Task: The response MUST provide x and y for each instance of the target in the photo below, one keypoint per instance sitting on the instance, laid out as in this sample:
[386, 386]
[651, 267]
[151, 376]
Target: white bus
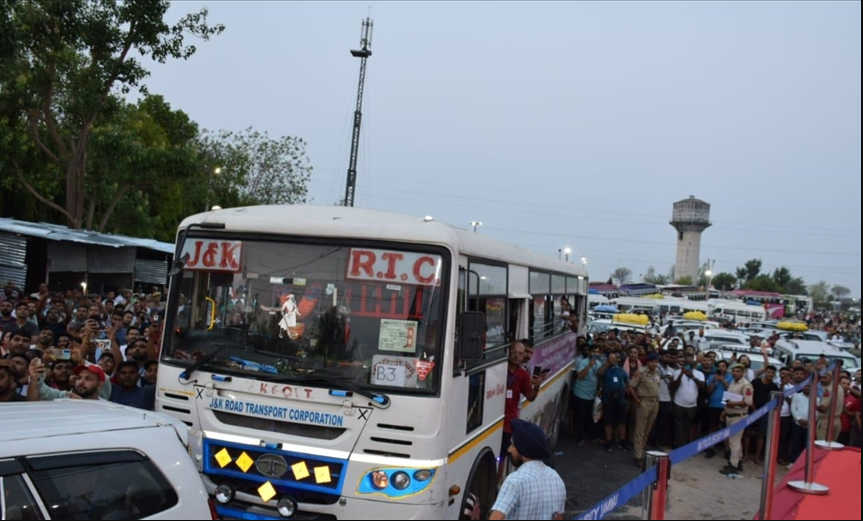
[736, 311]
[341, 363]
[637, 304]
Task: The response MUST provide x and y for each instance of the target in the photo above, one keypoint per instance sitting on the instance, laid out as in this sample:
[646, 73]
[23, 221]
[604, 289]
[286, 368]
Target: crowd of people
[80, 346]
[635, 390]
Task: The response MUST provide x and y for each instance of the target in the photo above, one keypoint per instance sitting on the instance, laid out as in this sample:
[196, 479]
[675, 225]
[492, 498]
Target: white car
[790, 350]
[726, 336]
[82, 459]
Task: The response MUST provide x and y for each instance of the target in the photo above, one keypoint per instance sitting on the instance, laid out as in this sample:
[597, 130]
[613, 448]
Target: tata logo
[272, 466]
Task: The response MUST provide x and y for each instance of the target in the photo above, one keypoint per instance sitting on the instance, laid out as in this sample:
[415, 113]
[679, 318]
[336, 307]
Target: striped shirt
[534, 491]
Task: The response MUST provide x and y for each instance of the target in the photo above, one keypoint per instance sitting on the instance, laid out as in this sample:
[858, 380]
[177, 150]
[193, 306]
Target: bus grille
[293, 429]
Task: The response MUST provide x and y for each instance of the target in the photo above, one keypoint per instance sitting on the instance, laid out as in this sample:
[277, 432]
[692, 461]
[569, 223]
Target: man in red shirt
[518, 383]
[849, 414]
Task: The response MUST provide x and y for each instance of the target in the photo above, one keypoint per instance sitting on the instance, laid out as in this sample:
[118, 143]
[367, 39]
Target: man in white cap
[534, 491]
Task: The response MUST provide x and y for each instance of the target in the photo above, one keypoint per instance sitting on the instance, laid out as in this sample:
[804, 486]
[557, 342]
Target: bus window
[487, 294]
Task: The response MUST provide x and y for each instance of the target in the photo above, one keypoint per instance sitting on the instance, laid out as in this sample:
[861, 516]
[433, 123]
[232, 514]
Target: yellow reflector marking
[301, 471]
[267, 491]
[245, 462]
[223, 458]
[322, 475]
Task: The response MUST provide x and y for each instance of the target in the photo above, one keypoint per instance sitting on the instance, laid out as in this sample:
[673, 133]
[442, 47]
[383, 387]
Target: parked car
[82, 459]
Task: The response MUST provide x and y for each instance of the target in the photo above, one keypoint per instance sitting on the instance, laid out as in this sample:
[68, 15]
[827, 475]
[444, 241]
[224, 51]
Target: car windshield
[848, 362]
[371, 317]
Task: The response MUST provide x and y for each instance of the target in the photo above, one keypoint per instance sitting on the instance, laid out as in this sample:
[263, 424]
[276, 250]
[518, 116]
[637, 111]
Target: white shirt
[687, 394]
[800, 408]
[786, 407]
[664, 392]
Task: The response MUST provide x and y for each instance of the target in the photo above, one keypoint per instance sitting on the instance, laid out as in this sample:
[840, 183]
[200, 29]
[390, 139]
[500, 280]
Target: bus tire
[481, 490]
[562, 411]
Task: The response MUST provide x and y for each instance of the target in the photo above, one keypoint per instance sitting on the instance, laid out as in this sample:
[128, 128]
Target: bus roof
[341, 221]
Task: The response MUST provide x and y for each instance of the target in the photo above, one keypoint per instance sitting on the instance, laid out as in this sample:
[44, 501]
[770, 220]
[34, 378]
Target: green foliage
[753, 269]
[651, 277]
[685, 280]
[840, 291]
[820, 292]
[61, 64]
[622, 275]
[256, 169]
[724, 281]
[762, 283]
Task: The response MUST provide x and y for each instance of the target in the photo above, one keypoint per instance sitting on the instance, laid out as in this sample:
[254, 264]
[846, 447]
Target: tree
[622, 275]
[685, 280]
[820, 292]
[61, 64]
[796, 286]
[147, 148]
[782, 277]
[762, 283]
[724, 281]
[652, 278]
[257, 169]
[840, 291]
[741, 274]
[753, 268]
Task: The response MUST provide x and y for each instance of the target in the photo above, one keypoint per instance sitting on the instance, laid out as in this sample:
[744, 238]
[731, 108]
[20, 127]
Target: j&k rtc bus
[342, 363]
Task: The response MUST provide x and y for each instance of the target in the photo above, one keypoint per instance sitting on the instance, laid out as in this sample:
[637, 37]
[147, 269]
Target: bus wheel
[480, 494]
[472, 508]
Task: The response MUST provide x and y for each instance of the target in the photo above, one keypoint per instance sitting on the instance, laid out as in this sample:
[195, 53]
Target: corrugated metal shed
[151, 271]
[13, 252]
[54, 232]
[67, 258]
[110, 260]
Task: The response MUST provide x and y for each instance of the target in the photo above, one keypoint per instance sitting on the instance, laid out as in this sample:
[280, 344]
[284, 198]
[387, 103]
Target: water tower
[690, 217]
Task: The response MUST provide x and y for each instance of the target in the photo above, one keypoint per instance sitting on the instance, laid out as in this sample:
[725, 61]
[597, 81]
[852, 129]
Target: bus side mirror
[471, 338]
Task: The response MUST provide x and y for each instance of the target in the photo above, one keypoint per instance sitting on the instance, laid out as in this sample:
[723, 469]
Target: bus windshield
[278, 311]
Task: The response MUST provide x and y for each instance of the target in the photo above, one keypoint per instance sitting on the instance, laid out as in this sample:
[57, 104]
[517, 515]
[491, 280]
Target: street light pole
[567, 251]
[475, 224]
[216, 171]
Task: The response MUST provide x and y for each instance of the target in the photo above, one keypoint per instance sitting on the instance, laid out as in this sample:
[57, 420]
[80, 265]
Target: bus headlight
[380, 479]
[401, 480]
[224, 494]
[395, 483]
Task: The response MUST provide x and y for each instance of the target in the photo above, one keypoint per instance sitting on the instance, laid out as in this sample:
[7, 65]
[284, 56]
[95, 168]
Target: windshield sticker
[213, 255]
[398, 335]
[276, 412]
[390, 266]
[394, 371]
[424, 368]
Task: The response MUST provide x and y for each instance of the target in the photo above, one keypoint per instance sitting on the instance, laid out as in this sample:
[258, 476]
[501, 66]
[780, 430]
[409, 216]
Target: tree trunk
[113, 206]
[75, 186]
[89, 225]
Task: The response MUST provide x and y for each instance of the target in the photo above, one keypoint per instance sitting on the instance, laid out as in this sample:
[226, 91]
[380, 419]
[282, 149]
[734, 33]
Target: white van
[790, 350]
[82, 459]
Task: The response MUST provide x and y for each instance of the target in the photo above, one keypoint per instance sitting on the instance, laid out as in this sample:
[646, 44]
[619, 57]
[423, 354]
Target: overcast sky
[565, 124]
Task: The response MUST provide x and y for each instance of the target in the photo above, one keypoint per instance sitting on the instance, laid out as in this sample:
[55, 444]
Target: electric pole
[363, 54]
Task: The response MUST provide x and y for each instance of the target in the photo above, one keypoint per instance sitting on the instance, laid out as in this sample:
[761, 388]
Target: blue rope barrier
[623, 496]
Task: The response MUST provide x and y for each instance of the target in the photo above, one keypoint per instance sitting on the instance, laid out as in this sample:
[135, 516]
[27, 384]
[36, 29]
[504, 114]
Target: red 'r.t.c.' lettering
[362, 260]
[392, 259]
[418, 265]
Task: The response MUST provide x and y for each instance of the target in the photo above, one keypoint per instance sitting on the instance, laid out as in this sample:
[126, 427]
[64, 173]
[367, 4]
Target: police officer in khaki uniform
[645, 385]
[736, 412]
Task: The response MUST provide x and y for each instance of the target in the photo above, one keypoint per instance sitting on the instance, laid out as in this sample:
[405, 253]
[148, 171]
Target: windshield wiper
[187, 374]
[378, 400]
